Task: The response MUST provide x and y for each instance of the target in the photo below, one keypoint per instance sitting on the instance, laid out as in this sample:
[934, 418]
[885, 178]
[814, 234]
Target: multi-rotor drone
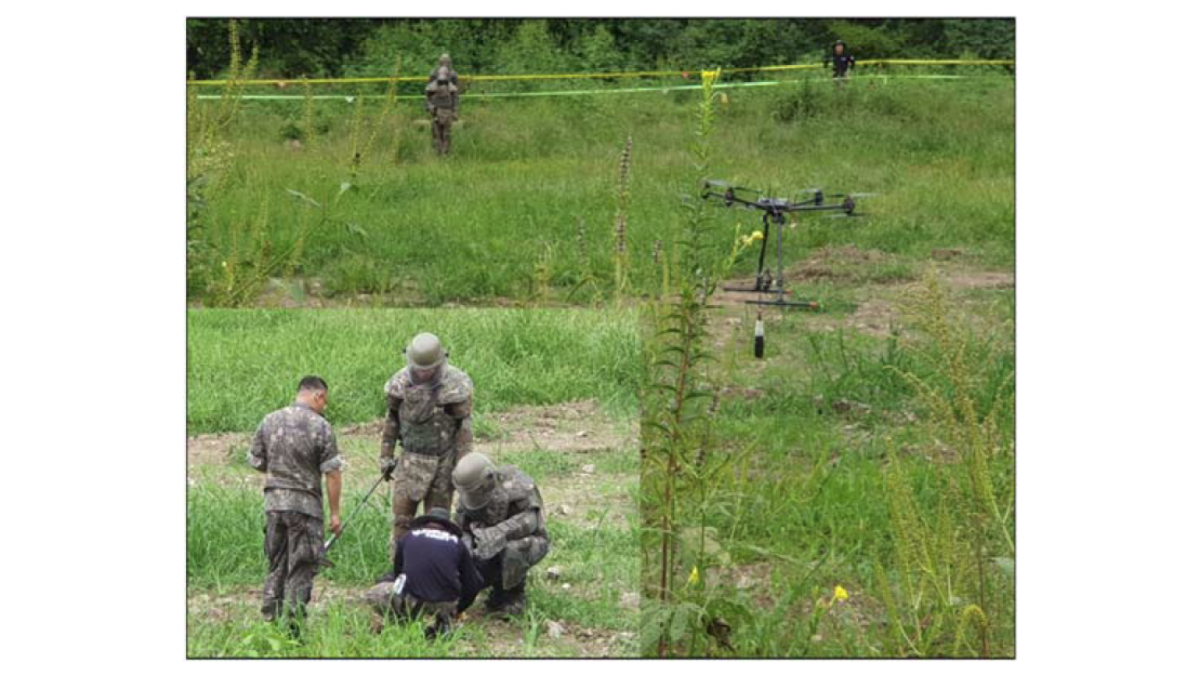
[775, 210]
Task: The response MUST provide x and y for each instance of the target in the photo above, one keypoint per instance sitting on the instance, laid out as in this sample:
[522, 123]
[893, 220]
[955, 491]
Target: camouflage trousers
[420, 478]
[509, 569]
[294, 548]
[406, 607]
[442, 121]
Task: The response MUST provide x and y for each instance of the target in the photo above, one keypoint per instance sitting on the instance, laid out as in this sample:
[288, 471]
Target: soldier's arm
[391, 428]
[468, 577]
[257, 457]
[333, 485]
[464, 438]
[331, 465]
[521, 525]
[454, 102]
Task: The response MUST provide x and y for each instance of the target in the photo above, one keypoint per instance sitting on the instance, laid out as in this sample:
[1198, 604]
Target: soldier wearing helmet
[501, 510]
[444, 62]
[429, 411]
[441, 101]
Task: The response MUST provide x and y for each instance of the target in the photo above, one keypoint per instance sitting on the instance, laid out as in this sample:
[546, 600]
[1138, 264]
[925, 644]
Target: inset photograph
[405, 483]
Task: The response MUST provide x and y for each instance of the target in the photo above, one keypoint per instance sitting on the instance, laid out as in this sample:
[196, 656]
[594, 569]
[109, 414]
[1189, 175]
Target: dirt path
[876, 283]
[577, 427]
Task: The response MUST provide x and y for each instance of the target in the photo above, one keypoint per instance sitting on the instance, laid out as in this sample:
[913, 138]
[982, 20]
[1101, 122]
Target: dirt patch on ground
[974, 279]
[580, 426]
[215, 449]
[507, 639]
[876, 317]
[841, 263]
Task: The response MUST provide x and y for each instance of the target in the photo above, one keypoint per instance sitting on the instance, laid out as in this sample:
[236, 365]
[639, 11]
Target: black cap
[441, 517]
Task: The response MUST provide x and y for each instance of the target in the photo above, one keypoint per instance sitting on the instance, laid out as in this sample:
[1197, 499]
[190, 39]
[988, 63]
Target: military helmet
[425, 352]
[475, 479]
[444, 59]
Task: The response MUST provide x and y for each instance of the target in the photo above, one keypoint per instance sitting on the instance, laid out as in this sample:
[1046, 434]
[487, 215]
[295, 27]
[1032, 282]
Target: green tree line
[291, 48]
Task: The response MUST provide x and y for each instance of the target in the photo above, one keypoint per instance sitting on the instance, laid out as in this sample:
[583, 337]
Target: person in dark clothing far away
[843, 61]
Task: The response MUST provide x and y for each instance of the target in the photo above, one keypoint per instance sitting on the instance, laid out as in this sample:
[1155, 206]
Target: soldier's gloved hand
[488, 542]
[386, 466]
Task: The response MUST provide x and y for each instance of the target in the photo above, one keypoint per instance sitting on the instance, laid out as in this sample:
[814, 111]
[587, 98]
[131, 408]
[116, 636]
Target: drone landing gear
[763, 282]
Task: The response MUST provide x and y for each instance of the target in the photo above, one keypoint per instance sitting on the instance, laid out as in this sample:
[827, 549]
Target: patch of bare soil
[579, 426]
[839, 263]
[215, 449]
[968, 279]
[507, 639]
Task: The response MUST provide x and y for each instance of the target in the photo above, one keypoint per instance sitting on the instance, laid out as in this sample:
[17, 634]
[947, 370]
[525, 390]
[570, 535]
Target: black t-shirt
[438, 567]
[841, 63]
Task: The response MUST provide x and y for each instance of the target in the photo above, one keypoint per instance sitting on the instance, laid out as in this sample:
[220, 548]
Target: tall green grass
[244, 363]
[476, 226]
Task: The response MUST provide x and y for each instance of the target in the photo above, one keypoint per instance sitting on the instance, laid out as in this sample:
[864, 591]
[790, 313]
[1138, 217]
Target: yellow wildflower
[694, 577]
[840, 594]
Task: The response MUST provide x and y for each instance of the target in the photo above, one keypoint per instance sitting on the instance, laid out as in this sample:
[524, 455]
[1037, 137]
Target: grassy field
[243, 364]
[859, 449]
[867, 504]
[524, 209]
[553, 387]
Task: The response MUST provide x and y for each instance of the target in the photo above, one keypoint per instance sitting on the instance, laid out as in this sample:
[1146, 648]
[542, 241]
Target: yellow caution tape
[587, 76]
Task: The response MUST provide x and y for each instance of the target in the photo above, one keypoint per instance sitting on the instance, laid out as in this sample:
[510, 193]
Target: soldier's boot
[515, 603]
[495, 600]
[506, 603]
[441, 627]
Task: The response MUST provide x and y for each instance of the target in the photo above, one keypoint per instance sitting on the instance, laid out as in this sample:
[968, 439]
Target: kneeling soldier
[500, 510]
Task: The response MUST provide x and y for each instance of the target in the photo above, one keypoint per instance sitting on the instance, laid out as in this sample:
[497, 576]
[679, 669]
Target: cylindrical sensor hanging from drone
[759, 337]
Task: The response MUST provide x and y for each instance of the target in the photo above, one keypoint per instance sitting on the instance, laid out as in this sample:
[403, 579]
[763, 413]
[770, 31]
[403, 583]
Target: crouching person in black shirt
[434, 575]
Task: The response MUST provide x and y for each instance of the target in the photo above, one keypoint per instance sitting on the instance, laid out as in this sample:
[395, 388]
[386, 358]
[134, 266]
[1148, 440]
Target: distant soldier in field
[435, 575]
[444, 62]
[441, 100]
[500, 511]
[843, 61]
[294, 446]
[429, 411]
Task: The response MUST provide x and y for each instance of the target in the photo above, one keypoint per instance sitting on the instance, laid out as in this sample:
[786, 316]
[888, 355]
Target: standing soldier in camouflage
[441, 101]
[444, 62]
[294, 446]
[501, 510]
[429, 411]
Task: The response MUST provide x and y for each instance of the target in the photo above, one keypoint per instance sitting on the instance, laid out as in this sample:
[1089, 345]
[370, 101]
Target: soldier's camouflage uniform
[433, 423]
[509, 534]
[441, 101]
[407, 607]
[453, 75]
[294, 447]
